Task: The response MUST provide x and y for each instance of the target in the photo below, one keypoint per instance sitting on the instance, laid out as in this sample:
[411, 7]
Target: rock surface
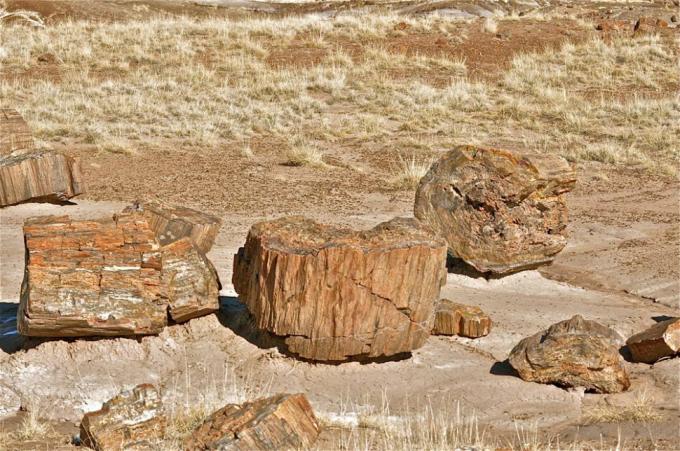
[335, 293]
[39, 177]
[573, 353]
[189, 280]
[277, 423]
[15, 136]
[85, 278]
[172, 223]
[499, 211]
[660, 340]
[451, 318]
[132, 420]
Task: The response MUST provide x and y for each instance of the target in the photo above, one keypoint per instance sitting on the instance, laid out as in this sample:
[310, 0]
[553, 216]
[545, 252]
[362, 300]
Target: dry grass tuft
[490, 25]
[640, 411]
[409, 171]
[303, 153]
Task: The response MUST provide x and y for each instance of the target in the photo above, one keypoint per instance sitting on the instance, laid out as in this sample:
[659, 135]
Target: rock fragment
[660, 340]
[15, 136]
[573, 353]
[132, 420]
[172, 223]
[281, 422]
[648, 25]
[91, 278]
[499, 211]
[469, 321]
[190, 280]
[39, 177]
[335, 294]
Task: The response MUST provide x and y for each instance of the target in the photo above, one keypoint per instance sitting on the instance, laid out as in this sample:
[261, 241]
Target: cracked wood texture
[132, 420]
[573, 353]
[39, 177]
[469, 321]
[498, 211]
[100, 277]
[15, 136]
[336, 294]
[660, 340]
[172, 223]
[281, 422]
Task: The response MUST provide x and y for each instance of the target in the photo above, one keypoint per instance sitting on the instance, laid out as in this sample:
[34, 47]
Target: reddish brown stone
[132, 420]
[281, 422]
[649, 25]
[660, 340]
[334, 293]
[15, 136]
[458, 319]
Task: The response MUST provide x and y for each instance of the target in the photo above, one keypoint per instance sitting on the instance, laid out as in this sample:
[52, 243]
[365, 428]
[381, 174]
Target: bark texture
[132, 420]
[457, 319]
[278, 423]
[498, 211]
[573, 353]
[15, 136]
[660, 340]
[335, 294]
[39, 177]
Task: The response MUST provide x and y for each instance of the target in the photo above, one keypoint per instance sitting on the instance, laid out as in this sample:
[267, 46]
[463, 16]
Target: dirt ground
[621, 268]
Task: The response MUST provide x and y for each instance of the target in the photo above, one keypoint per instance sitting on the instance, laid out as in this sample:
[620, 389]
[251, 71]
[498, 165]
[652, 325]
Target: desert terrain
[252, 110]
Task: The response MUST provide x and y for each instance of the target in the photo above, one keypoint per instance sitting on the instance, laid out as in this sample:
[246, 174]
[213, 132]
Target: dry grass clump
[639, 411]
[303, 153]
[409, 171]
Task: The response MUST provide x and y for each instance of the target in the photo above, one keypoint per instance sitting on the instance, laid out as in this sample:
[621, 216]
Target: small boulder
[281, 422]
[469, 321]
[334, 293]
[648, 25]
[660, 340]
[499, 211]
[573, 353]
[132, 420]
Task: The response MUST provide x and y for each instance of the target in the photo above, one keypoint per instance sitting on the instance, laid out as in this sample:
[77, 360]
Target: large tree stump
[281, 422]
[85, 278]
[573, 353]
[15, 136]
[334, 293]
[39, 177]
[171, 223]
[498, 211]
[660, 340]
[132, 420]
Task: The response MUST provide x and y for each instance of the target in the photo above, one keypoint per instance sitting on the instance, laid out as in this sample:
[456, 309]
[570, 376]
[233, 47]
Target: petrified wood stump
[132, 420]
[469, 321]
[15, 136]
[171, 223]
[334, 293]
[660, 340]
[498, 211]
[109, 277]
[281, 422]
[573, 353]
[39, 177]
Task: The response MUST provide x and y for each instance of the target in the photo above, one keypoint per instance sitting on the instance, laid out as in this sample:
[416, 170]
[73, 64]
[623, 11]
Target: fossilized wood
[132, 420]
[39, 177]
[171, 223]
[335, 293]
[573, 353]
[15, 136]
[190, 280]
[100, 277]
[660, 340]
[498, 211]
[451, 318]
[281, 422]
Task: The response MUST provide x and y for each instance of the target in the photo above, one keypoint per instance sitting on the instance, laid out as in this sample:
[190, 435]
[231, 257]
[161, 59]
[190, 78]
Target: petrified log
[451, 318]
[39, 177]
[335, 293]
[190, 280]
[498, 211]
[15, 136]
[573, 353]
[132, 420]
[84, 278]
[277, 423]
[660, 340]
[171, 223]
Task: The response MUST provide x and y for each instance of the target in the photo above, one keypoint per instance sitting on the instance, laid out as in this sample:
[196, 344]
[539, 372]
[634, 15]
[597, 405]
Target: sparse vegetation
[409, 172]
[641, 410]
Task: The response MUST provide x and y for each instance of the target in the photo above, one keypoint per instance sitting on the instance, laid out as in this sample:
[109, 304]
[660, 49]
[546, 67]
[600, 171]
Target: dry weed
[641, 410]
